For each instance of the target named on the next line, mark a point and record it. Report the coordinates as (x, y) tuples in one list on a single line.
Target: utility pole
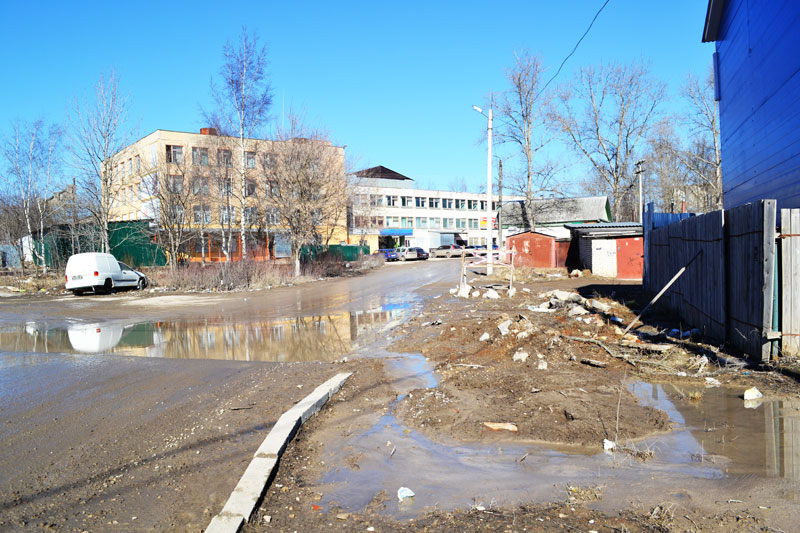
[(499, 203), (639, 170)]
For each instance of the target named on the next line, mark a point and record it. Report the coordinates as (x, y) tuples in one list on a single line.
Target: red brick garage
[(543, 248)]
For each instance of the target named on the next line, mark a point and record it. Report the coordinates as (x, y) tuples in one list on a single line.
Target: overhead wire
[(574, 49)]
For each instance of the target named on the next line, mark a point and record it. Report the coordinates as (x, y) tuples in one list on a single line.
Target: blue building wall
[(758, 51)]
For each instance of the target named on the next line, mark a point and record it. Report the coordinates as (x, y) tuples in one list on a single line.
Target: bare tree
[(242, 100), (12, 225), (703, 158), (97, 131), (308, 189), (166, 185), (32, 154), (521, 117), (605, 115)]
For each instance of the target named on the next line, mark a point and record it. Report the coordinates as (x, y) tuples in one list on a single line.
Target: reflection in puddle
[(308, 338), (714, 440)]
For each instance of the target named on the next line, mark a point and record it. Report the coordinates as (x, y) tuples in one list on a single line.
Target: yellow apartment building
[(194, 180)]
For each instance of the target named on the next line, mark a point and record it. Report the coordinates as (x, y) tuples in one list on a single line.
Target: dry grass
[(252, 275)]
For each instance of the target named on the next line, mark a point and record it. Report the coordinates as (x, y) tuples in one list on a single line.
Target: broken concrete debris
[(503, 327), (521, 356), (484, 337), (491, 294)]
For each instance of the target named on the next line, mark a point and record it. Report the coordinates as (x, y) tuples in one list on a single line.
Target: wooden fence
[(736, 290)]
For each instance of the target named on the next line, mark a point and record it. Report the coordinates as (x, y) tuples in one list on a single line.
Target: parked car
[(404, 254), (388, 253), (469, 251), (421, 254), (100, 272), (446, 250)]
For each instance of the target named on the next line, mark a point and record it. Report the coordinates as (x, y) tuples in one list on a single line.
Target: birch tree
[(605, 115), (31, 154), (242, 98), (97, 130), (521, 113), (308, 189)]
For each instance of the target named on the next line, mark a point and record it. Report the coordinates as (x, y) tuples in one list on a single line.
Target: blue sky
[(394, 81)]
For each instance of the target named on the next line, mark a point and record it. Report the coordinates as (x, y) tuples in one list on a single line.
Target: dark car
[(389, 254), (421, 254)]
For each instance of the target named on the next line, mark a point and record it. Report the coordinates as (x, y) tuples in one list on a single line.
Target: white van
[(100, 272)]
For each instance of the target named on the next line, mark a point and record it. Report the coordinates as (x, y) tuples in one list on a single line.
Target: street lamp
[(488, 192)]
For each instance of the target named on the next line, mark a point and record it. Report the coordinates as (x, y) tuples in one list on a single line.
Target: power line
[(575, 48)]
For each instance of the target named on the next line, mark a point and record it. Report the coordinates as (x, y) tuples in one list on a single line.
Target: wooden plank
[(790, 283), (768, 276)]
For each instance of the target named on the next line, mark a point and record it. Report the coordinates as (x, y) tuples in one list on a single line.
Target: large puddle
[(716, 441), (302, 338)]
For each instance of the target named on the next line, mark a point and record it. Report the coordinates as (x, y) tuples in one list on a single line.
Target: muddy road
[(140, 411)]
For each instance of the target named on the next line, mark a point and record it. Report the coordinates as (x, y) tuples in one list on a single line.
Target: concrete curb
[(253, 483)]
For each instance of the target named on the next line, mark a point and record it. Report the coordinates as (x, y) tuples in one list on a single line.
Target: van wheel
[(140, 284), (77, 292), (402, 258), (108, 287)]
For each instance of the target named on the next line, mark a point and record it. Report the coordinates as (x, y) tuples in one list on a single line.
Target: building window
[(407, 222), (271, 188), (474, 223), (377, 222), (433, 203), (461, 203), (391, 201), (130, 167), (201, 214), (250, 159), (422, 222), (175, 184), (250, 215), (200, 156), (407, 201), (175, 154), (138, 164), (200, 186), (362, 200), (461, 223), (435, 222), (198, 246), (494, 206), (176, 211), (392, 222), (447, 203), (376, 200), (483, 205), (250, 188), (226, 187), (273, 217), (421, 201), (448, 223), (227, 215), (224, 158), (472, 205)]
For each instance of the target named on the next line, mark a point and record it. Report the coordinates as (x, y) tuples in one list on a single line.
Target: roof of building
[(557, 211), (713, 20), (381, 172), (608, 229), (559, 233)]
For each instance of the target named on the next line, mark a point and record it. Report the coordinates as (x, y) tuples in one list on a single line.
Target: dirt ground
[(144, 445), (569, 392)]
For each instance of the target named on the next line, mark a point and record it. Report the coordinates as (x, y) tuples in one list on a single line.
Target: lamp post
[(489, 269)]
